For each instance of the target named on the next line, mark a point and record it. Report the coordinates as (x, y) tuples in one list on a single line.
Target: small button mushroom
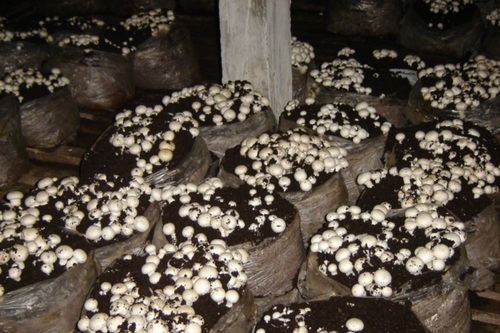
[(414, 265), (377, 215), (305, 185), (141, 223), (165, 155), (345, 266), (80, 256), (190, 296), (240, 170), (157, 326), (365, 279), (355, 325), (208, 272), (108, 233), (438, 265), (275, 170), (204, 220), (90, 305), (83, 324), (332, 269), (424, 254), (232, 296), (441, 251), (29, 234), (202, 286), (193, 328), (93, 232), (218, 294), (228, 222), (382, 277), (423, 220), (28, 220), (358, 290), (341, 254), (368, 241), (135, 149), (386, 291), (14, 197), (148, 268), (188, 232), (278, 225), (139, 322), (300, 175), (335, 242), (19, 253)]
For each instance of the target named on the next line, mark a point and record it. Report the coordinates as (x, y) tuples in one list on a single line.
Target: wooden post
[(255, 46)]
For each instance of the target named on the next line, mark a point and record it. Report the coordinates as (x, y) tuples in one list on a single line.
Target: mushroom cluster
[(300, 324), (154, 138), (94, 33), (97, 211), (451, 152), (339, 314), (460, 86), (154, 20), (451, 163), (288, 161), (435, 185), (84, 41), (366, 250), (493, 17), (376, 73), (54, 226), (414, 61), (446, 6), (5, 34), (219, 104), (444, 12), (384, 53), (71, 23), (29, 83), (30, 245), (38, 33), (342, 74), (167, 289), (338, 119), (302, 54), (409, 61), (148, 134), (346, 52), (237, 215)]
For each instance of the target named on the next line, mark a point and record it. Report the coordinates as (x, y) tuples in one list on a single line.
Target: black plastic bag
[(13, 157), (364, 17)]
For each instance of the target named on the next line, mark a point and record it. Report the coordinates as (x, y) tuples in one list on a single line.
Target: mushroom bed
[(368, 203)]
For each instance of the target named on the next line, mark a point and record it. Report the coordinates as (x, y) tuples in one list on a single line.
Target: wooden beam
[(65, 155), (486, 317), (255, 46), (489, 294)]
